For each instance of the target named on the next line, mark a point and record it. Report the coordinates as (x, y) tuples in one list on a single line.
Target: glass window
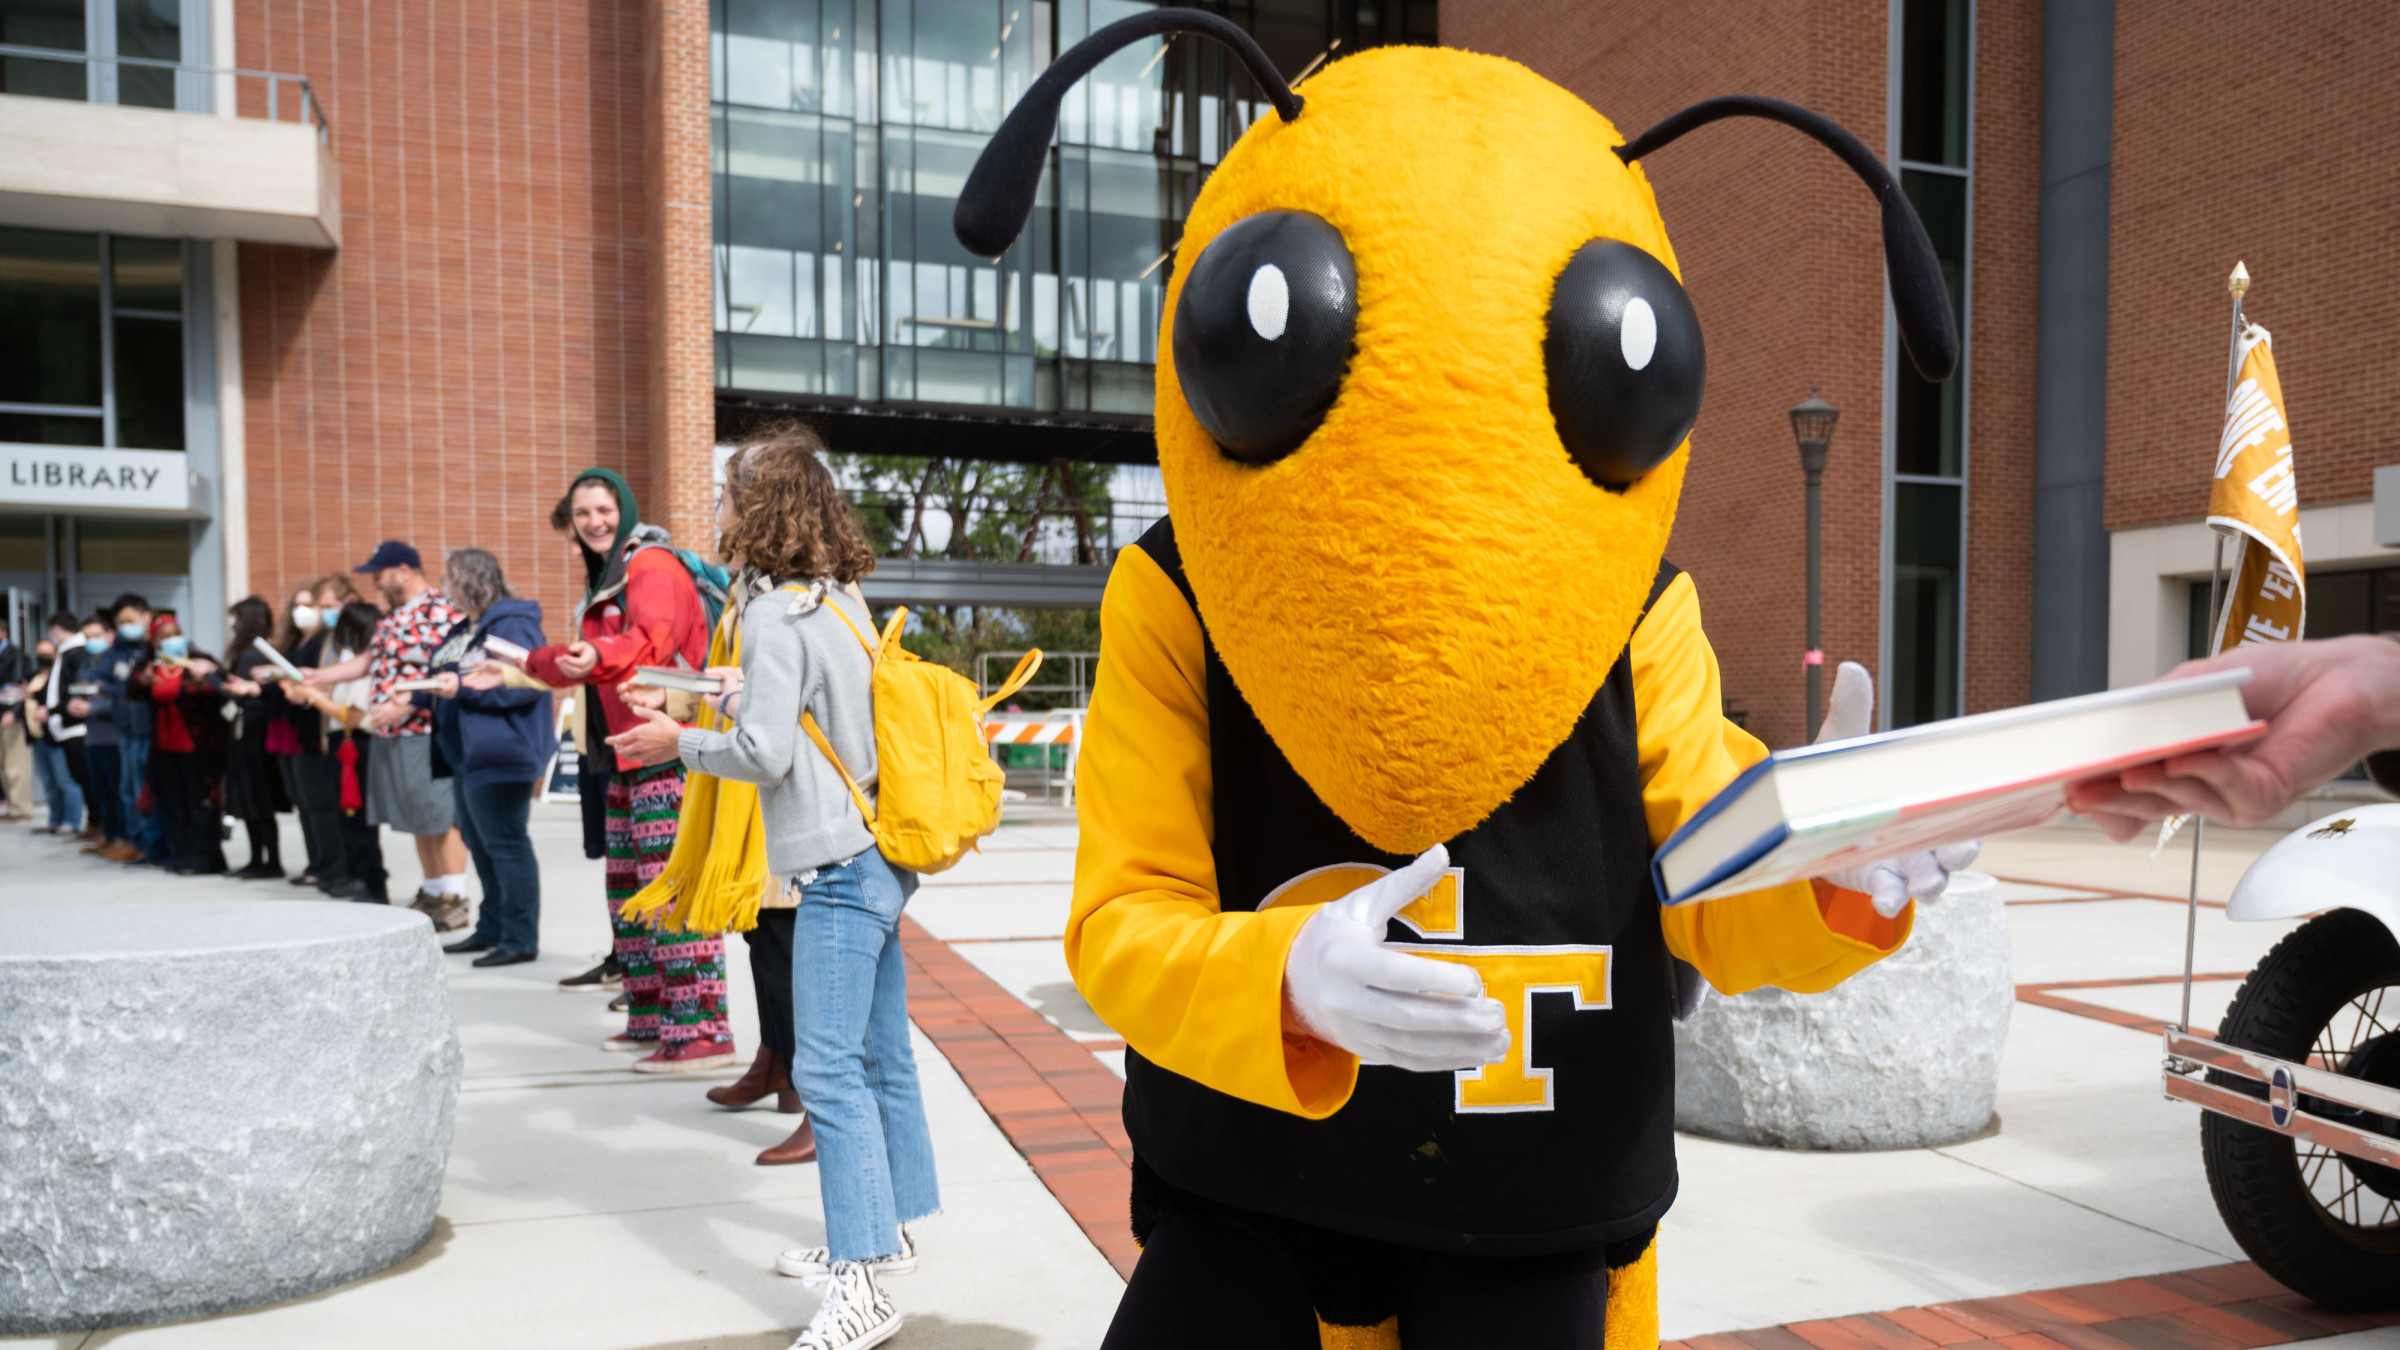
[(1933, 81), (50, 318), (141, 547), (55, 295), (1925, 603), (1927, 432), (24, 544), (152, 30), (43, 23)]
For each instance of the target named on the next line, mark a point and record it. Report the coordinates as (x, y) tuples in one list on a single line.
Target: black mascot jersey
[(1581, 1152)]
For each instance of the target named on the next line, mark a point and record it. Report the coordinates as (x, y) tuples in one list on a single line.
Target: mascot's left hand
[(1891, 883)]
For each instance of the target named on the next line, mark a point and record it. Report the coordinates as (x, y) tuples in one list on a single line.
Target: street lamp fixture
[(1812, 427)]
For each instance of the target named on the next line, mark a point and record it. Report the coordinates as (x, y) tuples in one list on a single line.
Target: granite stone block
[(211, 1104)]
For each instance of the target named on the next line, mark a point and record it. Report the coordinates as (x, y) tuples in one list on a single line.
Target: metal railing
[(310, 112), (1003, 528), (1077, 667)]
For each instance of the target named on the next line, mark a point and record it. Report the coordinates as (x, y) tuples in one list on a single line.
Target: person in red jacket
[(640, 609), (187, 760)]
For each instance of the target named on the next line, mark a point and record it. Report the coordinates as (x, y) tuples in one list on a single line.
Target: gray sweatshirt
[(794, 662)]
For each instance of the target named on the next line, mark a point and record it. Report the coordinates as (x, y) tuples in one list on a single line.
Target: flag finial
[(2239, 282)]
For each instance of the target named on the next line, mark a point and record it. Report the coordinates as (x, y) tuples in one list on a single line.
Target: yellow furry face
[(1421, 600)]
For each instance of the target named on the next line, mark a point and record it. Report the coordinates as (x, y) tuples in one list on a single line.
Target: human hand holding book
[(1839, 806)]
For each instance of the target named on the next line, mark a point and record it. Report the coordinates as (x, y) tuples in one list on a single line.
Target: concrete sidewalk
[(590, 1207)]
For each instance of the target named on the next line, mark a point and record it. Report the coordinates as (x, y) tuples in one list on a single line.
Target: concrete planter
[(214, 1104), (1906, 1054)]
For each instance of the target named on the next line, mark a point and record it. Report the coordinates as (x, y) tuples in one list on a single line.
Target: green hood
[(602, 573)]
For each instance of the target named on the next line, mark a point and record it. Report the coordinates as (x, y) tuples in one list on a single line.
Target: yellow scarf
[(718, 872)]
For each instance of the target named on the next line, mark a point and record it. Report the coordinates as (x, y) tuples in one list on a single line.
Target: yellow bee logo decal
[(2335, 830)]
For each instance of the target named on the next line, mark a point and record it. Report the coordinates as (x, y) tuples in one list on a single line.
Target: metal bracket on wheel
[(2286, 1083)]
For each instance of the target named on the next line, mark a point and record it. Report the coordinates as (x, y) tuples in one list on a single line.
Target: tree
[(994, 511)]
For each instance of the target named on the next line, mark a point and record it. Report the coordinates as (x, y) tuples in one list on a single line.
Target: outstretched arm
[(1805, 936)]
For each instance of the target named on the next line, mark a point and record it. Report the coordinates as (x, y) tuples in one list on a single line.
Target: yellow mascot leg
[(1632, 1313), (1633, 1302), (1383, 1336)]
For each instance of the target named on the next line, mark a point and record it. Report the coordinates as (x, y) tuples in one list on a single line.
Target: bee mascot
[(1396, 705)]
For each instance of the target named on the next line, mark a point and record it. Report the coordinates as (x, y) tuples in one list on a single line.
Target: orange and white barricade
[(1050, 729)]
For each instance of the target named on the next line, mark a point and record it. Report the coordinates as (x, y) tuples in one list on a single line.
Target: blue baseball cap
[(390, 553)]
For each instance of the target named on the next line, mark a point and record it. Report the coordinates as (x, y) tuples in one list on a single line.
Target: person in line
[(783, 518), (101, 825), (253, 789), (16, 742), (54, 730), (401, 791), (2327, 703), (354, 846), (117, 750), (312, 777), (187, 758), (640, 608), (494, 742)]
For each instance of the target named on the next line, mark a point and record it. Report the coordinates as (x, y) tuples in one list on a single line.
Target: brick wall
[(491, 323), (2003, 351), (683, 383), (2266, 134)]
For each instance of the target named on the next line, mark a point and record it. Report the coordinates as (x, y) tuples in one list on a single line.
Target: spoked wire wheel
[(2324, 1223)]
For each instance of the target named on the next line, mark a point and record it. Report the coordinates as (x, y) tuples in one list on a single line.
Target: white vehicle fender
[(2348, 860)]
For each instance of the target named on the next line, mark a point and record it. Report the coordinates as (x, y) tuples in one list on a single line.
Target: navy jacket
[(116, 714), (502, 735)]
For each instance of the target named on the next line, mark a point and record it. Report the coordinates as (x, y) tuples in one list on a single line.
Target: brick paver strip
[(2044, 996), (1055, 1103), (1058, 1106), (2232, 1307)]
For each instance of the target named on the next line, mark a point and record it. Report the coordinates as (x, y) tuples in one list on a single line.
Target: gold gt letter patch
[(1514, 975)]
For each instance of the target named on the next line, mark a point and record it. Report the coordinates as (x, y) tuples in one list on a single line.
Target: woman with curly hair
[(802, 653)]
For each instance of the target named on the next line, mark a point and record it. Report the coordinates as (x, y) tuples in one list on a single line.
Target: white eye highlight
[(1637, 336), (1271, 301)]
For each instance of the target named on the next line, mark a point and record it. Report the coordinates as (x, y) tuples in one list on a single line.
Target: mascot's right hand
[(1342, 985)]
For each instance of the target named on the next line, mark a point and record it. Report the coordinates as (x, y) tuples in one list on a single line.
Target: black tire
[(2338, 1240)]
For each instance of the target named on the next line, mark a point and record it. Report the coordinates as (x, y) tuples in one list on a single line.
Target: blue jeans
[(852, 1061), (58, 786), (491, 819), (147, 832), (106, 767)]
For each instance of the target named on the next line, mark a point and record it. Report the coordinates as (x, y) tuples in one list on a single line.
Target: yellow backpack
[(935, 783)]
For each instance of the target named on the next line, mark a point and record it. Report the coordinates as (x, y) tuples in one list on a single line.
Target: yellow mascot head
[(1424, 415)]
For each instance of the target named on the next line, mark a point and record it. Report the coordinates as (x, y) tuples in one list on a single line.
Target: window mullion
[(108, 340)]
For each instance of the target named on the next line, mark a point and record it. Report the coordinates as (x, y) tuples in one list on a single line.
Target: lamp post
[(1812, 427)]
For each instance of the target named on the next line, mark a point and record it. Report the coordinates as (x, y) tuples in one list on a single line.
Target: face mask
[(131, 632), (45, 655), (175, 646), (304, 617), (95, 645)]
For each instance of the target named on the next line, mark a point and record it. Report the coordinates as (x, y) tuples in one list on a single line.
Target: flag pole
[(2239, 285)]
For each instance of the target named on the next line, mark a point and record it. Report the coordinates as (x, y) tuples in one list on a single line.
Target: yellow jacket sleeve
[(1195, 989), (1803, 936)]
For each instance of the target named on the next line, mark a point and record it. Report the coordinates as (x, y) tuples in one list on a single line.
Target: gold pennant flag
[(2257, 500)]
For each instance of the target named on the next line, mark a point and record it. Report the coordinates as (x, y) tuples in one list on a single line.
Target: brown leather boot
[(764, 1075), (800, 1148)]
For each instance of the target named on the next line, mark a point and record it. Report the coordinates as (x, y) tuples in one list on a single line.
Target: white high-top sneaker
[(854, 1315), (812, 1263)]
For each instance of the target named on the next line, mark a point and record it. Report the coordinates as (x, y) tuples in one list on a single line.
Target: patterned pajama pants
[(674, 982)]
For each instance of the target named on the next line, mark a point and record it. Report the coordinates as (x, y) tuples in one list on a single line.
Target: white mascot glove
[(1891, 883), (1388, 1007)]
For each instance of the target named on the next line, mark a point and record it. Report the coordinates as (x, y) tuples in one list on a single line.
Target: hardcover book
[(1819, 809)]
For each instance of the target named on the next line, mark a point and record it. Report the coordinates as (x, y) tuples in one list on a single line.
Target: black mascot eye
[(1624, 359), (1263, 332)]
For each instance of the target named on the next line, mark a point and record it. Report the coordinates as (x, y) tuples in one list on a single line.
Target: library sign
[(81, 476)]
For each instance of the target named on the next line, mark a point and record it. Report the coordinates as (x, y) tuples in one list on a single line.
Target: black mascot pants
[(1204, 1283)]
